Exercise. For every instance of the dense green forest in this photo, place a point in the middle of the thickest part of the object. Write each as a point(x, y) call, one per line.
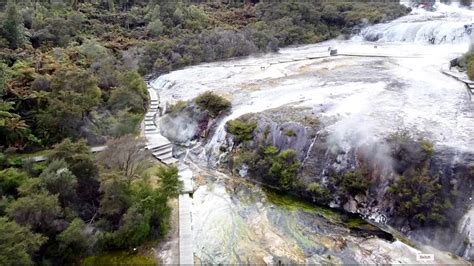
point(74, 68)
point(72, 75)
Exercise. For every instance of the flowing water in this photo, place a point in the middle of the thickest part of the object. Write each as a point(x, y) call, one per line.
point(387, 79)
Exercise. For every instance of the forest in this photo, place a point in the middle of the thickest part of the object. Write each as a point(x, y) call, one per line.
point(73, 75)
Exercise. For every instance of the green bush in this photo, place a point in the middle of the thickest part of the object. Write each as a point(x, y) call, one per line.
point(470, 67)
point(285, 167)
point(355, 182)
point(467, 62)
point(290, 133)
point(10, 180)
point(320, 193)
point(178, 107)
point(212, 103)
point(427, 146)
point(421, 198)
point(242, 130)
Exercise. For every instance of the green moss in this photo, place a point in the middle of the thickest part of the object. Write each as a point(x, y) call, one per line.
point(118, 258)
point(292, 203)
point(397, 235)
point(355, 222)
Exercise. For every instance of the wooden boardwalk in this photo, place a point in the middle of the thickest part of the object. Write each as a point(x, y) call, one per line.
point(186, 254)
point(162, 149)
point(462, 77)
point(159, 146)
point(42, 158)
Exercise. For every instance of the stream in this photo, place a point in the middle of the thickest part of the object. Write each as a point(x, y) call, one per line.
point(387, 78)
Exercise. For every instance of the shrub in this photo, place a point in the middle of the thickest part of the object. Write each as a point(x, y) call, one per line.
point(10, 180)
point(212, 103)
point(470, 68)
point(320, 193)
point(241, 129)
point(155, 28)
point(178, 107)
point(355, 182)
point(285, 168)
point(467, 62)
point(290, 133)
point(409, 153)
point(420, 198)
point(427, 147)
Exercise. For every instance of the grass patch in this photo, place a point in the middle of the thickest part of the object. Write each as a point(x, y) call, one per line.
point(118, 258)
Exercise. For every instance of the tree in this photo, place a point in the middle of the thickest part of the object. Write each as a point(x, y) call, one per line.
point(124, 99)
point(10, 180)
point(126, 154)
point(74, 241)
point(131, 94)
point(115, 199)
point(4, 77)
point(76, 87)
point(155, 28)
point(169, 183)
point(39, 211)
point(17, 243)
point(78, 156)
point(154, 200)
point(14, 130)
point(59, 180)
point(133, 231)
point(12, 26)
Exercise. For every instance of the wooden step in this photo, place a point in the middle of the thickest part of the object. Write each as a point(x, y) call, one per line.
point(159, 153)
point(169, 161)
point(154, 146)
point(162, 147)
